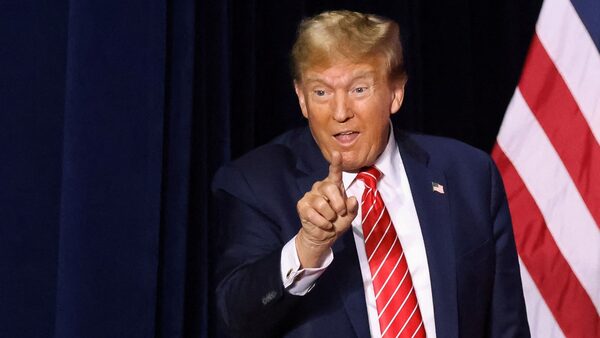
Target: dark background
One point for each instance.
(115, 114)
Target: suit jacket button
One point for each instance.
(269, 297)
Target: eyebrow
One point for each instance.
(359, 75)
(365, 73)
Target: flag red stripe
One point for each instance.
(568, 301)
(559, 115)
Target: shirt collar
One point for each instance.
(384, 162)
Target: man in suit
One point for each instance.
(351, 228)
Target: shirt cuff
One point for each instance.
(298, 281)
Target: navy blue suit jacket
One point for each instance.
(467, 232)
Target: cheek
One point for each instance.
(318, 123)
(376, 114)
(377, 125)
(320, 115)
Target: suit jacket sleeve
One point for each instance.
(508, 315)
(250, 295)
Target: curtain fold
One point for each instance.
(110, 209)
(174, 266)
(212, 139)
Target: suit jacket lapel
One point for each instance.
(313, 167)
(434, 217)
(349, 284)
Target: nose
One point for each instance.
(341, 110)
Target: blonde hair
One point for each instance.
(347, 36)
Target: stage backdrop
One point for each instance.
(115, 114)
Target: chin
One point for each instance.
(351, 163)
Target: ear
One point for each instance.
(301, 98)
(398, 95)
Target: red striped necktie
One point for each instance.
(397, 306)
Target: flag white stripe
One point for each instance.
(541, 320)
(566, 215)
(571, 48)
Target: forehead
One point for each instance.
(344, 71)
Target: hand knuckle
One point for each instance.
(321, 204)
(328, 187)
(313, 216)
(301, 206)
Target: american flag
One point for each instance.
(548, 153)
(437, 187)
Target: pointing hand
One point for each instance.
(325, 213)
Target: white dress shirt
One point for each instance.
(395, 192)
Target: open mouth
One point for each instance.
(346, 137)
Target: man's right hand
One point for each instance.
(325, 213)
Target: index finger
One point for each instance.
(335, 168)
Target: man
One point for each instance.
(354, 229)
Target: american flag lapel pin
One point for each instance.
(437, 187)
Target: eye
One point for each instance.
(319, 92)
(360, 90)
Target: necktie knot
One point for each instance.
(370, 176)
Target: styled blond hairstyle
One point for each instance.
(347, 36)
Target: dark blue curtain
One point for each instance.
(114, 115)
(104, 178)
(32, 77)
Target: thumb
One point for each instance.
(352, 206)
(345, 222)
